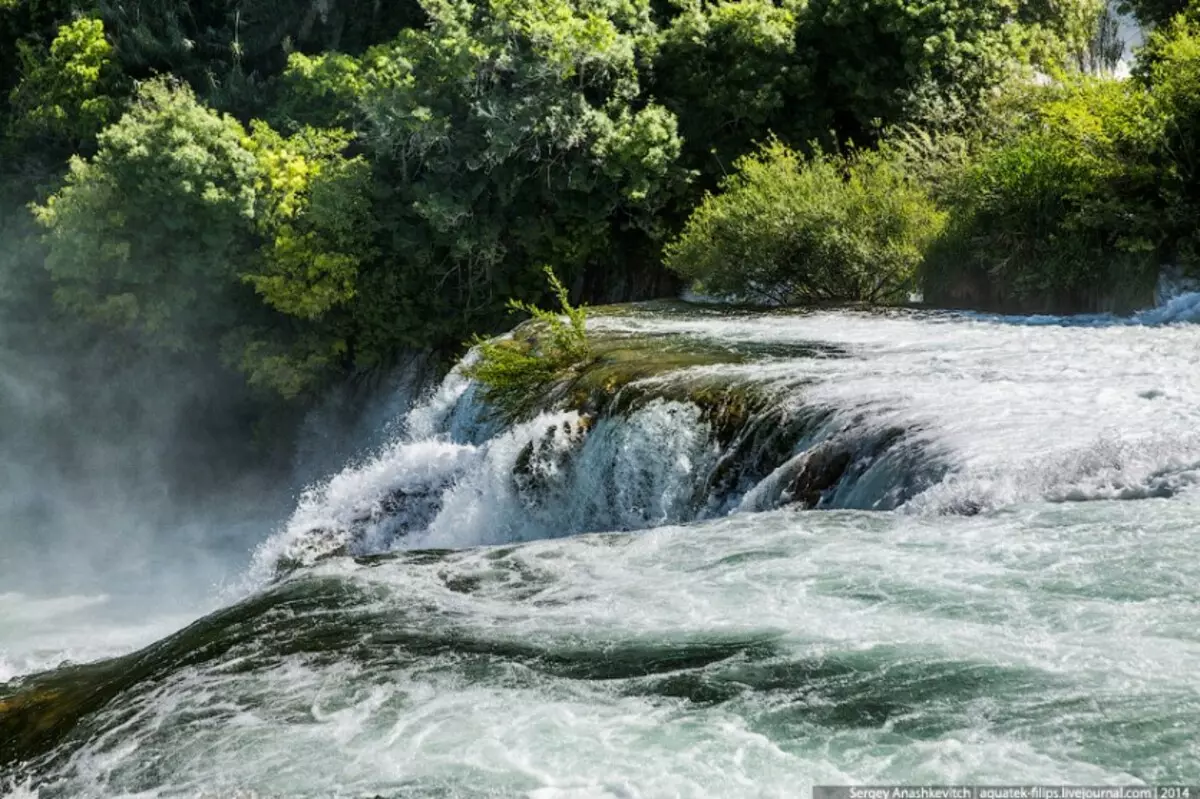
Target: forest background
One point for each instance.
(215, 215)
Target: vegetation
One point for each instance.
(1058, 214)
(1154, 12)
(792, 230)
(300, 194)
(516, 372)
(1081, 191)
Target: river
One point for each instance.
(999, 583)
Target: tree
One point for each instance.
(1154, 12)
(66, 96)
(1170, 67)
(314, 218)
(146, 236)
(507, 135)
(28, 24)
(315, 224)
(875, 63)
(792, 230)
(1061, 214)
(828, 71)
(726, 70)
(230, 51)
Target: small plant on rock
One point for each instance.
(517, 371)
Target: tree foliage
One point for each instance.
(727, 70)
(1062, 211)
(181, 207)
(68, 94)
(1172, 73)
(508, 134)
(303, 190)
(205, 42)
(1154, 12)
(314, 216)
(789, 229)
(146, 235)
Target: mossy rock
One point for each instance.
(36, 714)
(616, 362)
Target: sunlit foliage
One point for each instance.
(791, 230)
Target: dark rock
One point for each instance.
(822, 470)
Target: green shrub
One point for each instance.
(516, 372)
(1059, 215)
(1171, 67)
(790, 230)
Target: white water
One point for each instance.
(1048, 638)
(1018, 409)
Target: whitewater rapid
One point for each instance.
(1002, 585)
(991, 411)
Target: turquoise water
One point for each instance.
(1002, 588)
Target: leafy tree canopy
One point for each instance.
(145, 235)
(68, 94)
(508, 134)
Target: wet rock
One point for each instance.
(823, 469)
(373, 528)
(540, 461)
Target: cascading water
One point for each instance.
(857, 547)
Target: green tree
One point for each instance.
(879, 62)
(1154, 12)
(726, 70)
(792, 230)
(506, 135)
(738, 71)
(321, 91)
(1061, 215)
(1171, 70)
(314, 217)
(146, 236)
(68, 95)
(316, 231)
(229, 50)
(24, 23)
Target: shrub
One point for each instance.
(788, 229)
(1170, 66)
(516, 372)
(1059, 215)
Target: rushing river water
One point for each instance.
(1001, 584)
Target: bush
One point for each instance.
(1060, 215)
(789, 230)
(1170, 66)
(516, 372)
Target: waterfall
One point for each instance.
(884, 426)
(862, 547)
